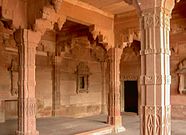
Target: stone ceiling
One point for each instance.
(111, 6)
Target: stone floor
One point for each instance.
(71, 126)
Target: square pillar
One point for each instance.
(155, 67)
(114, 110)
(104, 110)
(56, 85)
(27, 42)
(2, 111)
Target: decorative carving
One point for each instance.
(149, 21)
(182, 76)
(142, 80)
(14, 77)
(149, 79)
(49, 19)
(83, 73)
(155, 121)
(99, 53)
(129, 77)
(127, 36)
(177, 28)
(155, 79)
(167, 120)
(57, 4)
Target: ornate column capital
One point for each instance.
(114, 54)
(27, 36)
(141, 5)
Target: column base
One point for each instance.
(116, 122)
(104, 109)
(2, 117)
(56, 113)
(118, 129)
(27, 133)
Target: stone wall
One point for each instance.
(178, 54)
(71, 103)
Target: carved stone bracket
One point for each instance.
(49, 18)
(57, 4)
(103, 36)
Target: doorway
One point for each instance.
(131, 96)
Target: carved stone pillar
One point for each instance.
(114, 111)
(2, 111)
(155, 67)
(56, 85)
(104, 93)
(27, 41)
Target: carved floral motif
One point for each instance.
(155, 121)
(14, 77)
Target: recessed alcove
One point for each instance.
(182, 76)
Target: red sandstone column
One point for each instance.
(27, 41)
(155, 67)
(114, 111)
(104, 93)
(56, 85)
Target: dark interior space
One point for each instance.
(131, 96)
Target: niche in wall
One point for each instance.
(83, 73)
(182, 76)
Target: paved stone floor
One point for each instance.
(70, 126)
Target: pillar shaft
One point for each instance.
(2, 111)
(104, 93)
(114, 116)
(56, 85)
(27, 42)
(155, 72)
